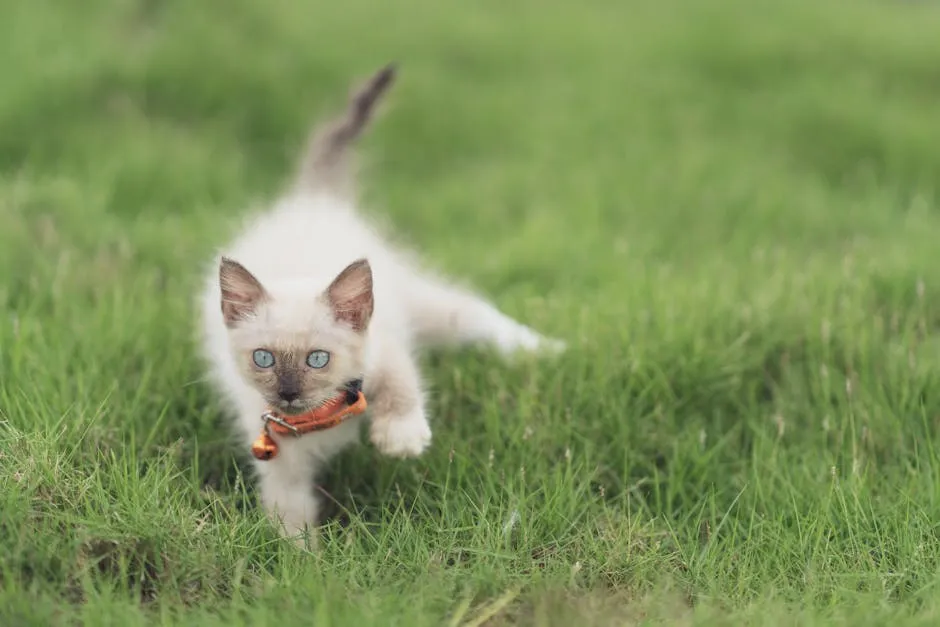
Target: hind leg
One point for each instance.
(445, 315)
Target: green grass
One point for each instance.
(729, 209)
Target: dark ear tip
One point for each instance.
(360, 265)
(227, 264)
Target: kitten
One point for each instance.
(309, 297)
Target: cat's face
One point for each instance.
(296, 348)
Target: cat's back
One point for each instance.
(307, 237)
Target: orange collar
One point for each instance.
(334, 411)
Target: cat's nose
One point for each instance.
(288, 394)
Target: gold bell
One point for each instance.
(264, 448)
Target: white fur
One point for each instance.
(295, 250)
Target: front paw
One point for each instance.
(295, 528)
(401, 436)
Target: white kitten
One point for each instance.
(308, 298)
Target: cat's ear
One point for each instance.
(350, 295)
(241, 291)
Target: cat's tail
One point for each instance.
(327, 165)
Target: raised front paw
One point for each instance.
(401, 436)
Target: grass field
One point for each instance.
(729, 209)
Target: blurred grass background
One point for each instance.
(729, 209)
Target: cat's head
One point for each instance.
(294, 344)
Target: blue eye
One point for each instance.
(318, 359)
(263, 358)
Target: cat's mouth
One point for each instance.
(297, 406)
(294, 407)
